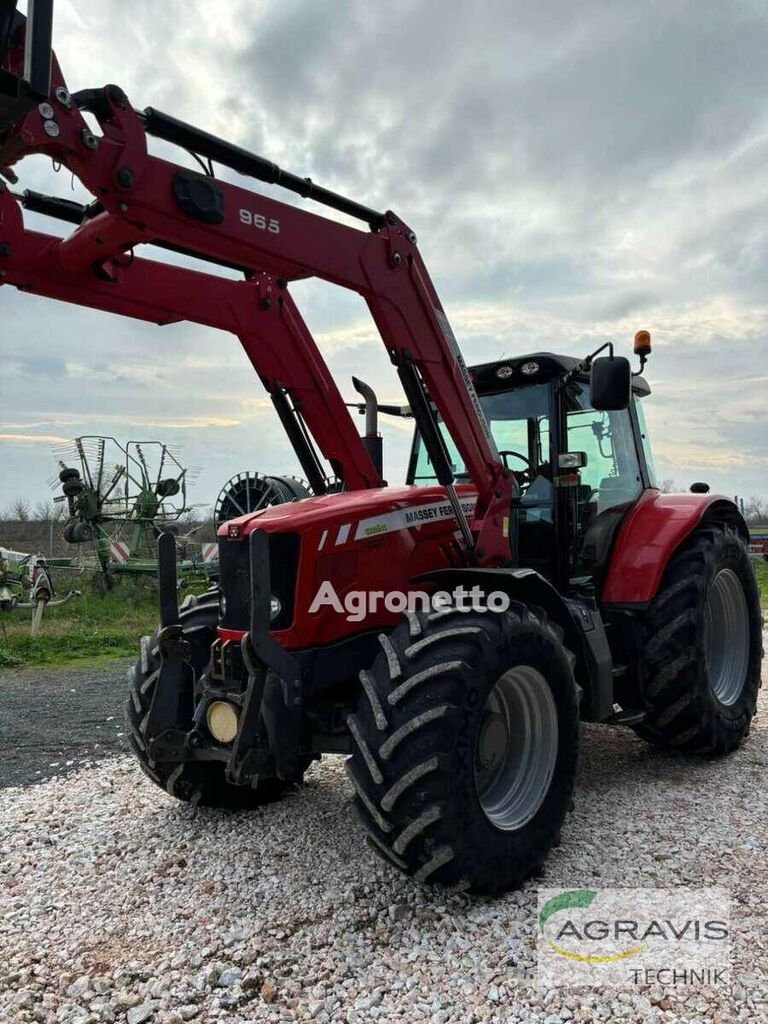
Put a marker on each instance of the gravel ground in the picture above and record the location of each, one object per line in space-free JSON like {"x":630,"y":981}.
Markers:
{"x":119,"y":904}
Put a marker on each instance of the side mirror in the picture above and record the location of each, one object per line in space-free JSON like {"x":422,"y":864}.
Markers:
{"x":610,"y":383}
{"x":699,"y":487}
{"x":571,"y":460}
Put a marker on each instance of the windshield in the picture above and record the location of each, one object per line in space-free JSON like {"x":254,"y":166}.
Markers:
{"x":519,"y":423}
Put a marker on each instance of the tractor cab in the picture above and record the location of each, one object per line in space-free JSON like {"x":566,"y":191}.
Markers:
{"x":578,"y":469}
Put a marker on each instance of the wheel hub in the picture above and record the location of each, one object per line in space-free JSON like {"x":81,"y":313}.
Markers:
{"x":726,"y":636}
{"x":492,"y":742}
{"x":516,"y":748}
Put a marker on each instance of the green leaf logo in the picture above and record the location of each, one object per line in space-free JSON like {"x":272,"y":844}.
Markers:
{"x":565,"y":900}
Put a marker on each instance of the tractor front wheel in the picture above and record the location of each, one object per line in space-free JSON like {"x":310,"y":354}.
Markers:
{"x":464,"y":746}
{"x":703,"y":647}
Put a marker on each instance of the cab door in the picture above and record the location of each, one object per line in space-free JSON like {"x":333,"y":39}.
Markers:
{"x":593,"y":500}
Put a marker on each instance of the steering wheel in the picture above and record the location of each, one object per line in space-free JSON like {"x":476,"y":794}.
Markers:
{"x":525,"y":474}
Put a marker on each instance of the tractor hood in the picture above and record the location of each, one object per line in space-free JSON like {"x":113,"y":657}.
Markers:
{"x":360,"y":509}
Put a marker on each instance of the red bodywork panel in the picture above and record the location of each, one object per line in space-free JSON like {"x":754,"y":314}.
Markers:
{"x":649,"y":535}
{"x":376,"y":540}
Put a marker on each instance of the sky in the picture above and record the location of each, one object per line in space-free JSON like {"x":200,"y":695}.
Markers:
{"x":574,"y":172}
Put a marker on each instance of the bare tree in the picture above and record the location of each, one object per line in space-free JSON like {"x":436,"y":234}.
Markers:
{"x":48,"y":511}
{"x":667,"y":486}
{"x":20,"y":510}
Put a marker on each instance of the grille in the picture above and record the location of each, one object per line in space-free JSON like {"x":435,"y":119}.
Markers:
{"x":235,"y":581}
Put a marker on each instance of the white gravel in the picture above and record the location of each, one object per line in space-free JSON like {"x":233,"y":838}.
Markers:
{"x":120,"y":904}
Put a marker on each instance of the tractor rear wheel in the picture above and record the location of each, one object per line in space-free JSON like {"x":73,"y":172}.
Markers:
{"x":464,"y":746}
{"x":703,"y":647}
{"x":197,"y":782}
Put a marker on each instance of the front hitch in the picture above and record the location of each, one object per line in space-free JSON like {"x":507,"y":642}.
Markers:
{"x":268,"y":737}
{"x":171,"y":707}
{"x":273,"y":694}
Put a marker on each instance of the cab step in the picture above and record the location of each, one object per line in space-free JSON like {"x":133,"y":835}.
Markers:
{"x":626,"y":716}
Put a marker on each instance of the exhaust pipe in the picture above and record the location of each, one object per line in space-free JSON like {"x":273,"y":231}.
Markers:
{"x":372,"y":438}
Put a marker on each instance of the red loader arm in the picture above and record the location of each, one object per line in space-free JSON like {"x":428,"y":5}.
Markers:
{"x":141,"y":199}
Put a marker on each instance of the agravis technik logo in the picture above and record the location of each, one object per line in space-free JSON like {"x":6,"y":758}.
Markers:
{"x":633,"y":937}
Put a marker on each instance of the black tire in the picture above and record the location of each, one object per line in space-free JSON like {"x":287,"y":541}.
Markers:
{"x":72,"y":487}
{"x":167,"y":488}
{"x":684,"y":711}
{"x":414,"y":744}
{"x":198,"y":782}
{"x":83,"y":532}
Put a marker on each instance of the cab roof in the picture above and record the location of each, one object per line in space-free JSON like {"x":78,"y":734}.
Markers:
{"x":503,"y":374}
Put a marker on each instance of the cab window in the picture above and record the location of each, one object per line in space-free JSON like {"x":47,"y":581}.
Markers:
{"x":612,"y":472}
{"x":607,"y":485}
{"x":519,"y":422}
{"x":649,"y":463}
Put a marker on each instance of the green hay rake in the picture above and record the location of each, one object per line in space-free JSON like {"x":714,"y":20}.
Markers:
{"x":119,"y":500}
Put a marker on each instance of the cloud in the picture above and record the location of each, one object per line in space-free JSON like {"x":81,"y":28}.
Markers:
{"x":680,"y":457}
{"x":46,"y":439}
{"x":573,"y":173}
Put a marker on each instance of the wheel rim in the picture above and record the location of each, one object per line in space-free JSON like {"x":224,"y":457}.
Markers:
{"x":726,"y":636}
{"x":516,"y":748}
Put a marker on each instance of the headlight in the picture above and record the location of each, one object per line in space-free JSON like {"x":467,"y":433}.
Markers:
{"x":275,"y":607}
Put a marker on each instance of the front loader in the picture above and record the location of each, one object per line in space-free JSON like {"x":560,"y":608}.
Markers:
{"x":530,"y":487}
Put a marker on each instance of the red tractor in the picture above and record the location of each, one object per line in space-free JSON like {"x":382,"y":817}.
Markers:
{"x":530,"y":488}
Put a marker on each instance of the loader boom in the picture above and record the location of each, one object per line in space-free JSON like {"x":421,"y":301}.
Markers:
{"x":140,"y":198}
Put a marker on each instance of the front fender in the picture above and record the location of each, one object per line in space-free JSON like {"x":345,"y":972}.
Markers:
{"x":582,"y":626}
{"x":649,"y":536}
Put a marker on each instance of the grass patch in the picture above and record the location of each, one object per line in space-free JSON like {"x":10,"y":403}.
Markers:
{"x":88,"y":627}
{"x":761,"y":572}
